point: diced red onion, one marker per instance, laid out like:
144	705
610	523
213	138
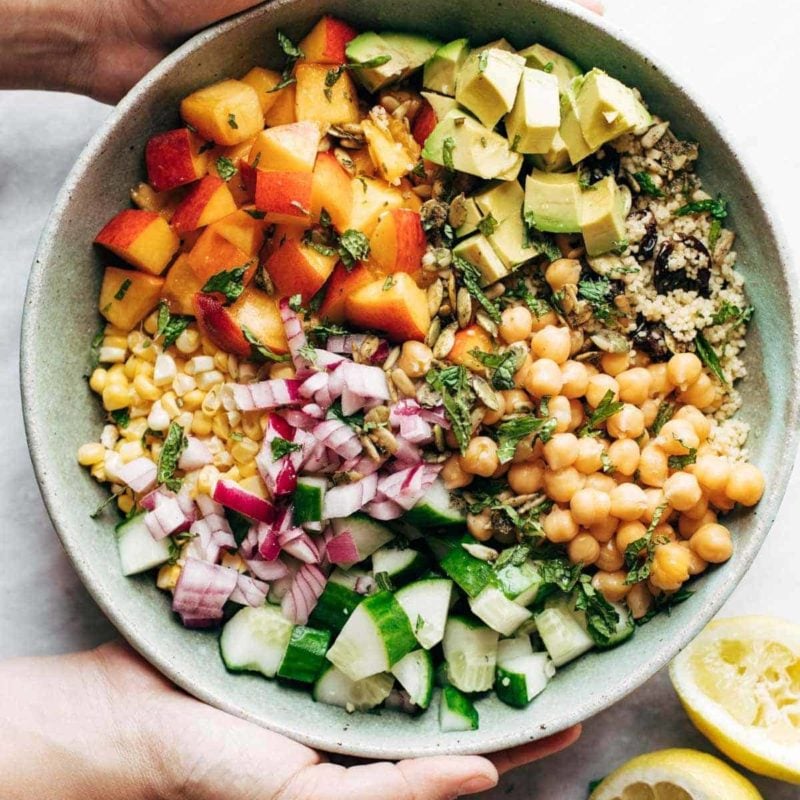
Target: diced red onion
385	509
280	475
326	360
249	591
416	430
208	506
296	542
342	501
339	437
314	383
265	395
298	603
139	474
358	384
342	549
267	541
201	592
267	570
195	455
166	518
406	453
296	338
231	495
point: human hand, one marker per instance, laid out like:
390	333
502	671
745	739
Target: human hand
105	724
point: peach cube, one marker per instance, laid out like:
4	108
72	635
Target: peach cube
264	81
325	105
327	40
296	268
142	238
286	148
394	305
284	197
227	112
174	158
127	296
208	201
181	285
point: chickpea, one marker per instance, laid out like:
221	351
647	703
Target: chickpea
653	466
745	484
678	437
682	491
516	324
655	500
628	533
480	525
528	450
492	417
683	369
628	502
664	532
639	600
521	375
590	455
713	543
611	585
576	341
712	473
634	385
614	363
577	415
453	476
583	549
559	526
702	393
415	359
721	501
687	526
670	568
480	457
561	484
698	510
700	422
561	451
627	423
553	343
599	386
561	272
610	558
574	378
526	478
516	401
697	565
543	378
502	470
548	318
561	411
624	455
650	411
601	481
660	385
590	507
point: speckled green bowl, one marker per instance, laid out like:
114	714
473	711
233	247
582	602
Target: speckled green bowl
61	413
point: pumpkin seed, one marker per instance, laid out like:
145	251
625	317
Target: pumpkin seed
457	215
438	438
463	307
485	393
482	318
391	359
433	332
403	383
427	396
435	297
476	417
444	257
611	341
452	290
444	344
523	499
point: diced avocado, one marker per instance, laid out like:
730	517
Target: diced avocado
369	46
416	49
502	200
510	242
487	84
607	109
554	201
540	57
556	159
533	123
571	131
462	143
473	217
443	66
441	104
498	44
602	218
478	250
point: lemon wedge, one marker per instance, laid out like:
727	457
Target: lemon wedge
739	682
675	775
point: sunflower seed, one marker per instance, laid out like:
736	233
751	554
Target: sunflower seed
403	383
385	439
377	416
463	307
487	324
345	162
457	215
444	344
389	103
451	290
369	448
481	551
423	190
438	438
391	359
485	393
435	297
654	135
433	332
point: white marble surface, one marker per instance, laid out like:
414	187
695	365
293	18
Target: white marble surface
740	54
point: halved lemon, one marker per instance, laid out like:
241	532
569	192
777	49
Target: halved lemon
675	775
739	682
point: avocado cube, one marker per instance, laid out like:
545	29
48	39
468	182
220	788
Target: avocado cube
534	121
473	217
441	104
461	142
510	242
442	68
498	44
602	217
554	201
413	47
478	251
537	56
502	200
607	109
555	159
487	84
571	131
368	46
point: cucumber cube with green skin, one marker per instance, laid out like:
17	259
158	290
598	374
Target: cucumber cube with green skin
436	509
255	640
497	611
367	47
462	143
537	56
472	216
308	498
478	250
533	122
334	607
304	658
414	672
602	217
487	84
440	104
138	550
470	574
443	66
571	131
375	637
457	712
470	650
554	200
520	583
334	688
509	649
400	565
556	159
519	680
562	629
427	604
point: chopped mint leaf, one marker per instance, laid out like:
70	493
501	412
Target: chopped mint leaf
94	348
681	462
513	431
281	447
226	169
384	582
707	354
728	312
665	412
353	247
261	351
170	326
638	568
296	302
502	365
452	383
647	185
232	121
538	239
561	573
121	417
228	282
601	617
549	66
471	277
606	409
255	214
448	146
174	445
664	603
488	225
123	289
388	283
598	294
290	50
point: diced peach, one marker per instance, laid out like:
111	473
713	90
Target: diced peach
331	190
362	162
398	242
473	337
325	105
341	285
227	112
371	198
127	296
181	285
282	111
142	238
284	197
174	158
263	81
236	155
296	268
258	312
286	148
327	40
424	123
242	230
391	145
213	253
208	201
217	324
394	305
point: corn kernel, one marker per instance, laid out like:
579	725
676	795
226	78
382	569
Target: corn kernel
251	425
221	361
244	451
113	463
151	323
220	426
147	352
155	449
125	503
128	451
170	404
183	384
158	419
145	388
232	367
165	370
139	410
109	436
198	364
234	418
116	371
248	470
255	485
136	429
207	480
212	401
111	355
115	342
209	348
91	453
116	397
193	400
233	474
223	459
184	419
98	472
130	367
144	368
168	576
97	382
188	341
247	372
113	330
201	424
135	339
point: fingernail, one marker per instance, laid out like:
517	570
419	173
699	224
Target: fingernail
479	783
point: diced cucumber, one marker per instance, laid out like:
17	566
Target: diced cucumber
470	650
308	499
624	629
335	605
304	658
401	565
497	611
348	577
138	550
521	679
427	604
457	712
519	582
255	640
336	689
436	509
509	649
375	637
368	534
562	633
415	674
440	675
470	573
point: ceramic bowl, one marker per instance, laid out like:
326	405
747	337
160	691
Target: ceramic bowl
61	413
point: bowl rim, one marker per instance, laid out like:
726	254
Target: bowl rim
38	443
